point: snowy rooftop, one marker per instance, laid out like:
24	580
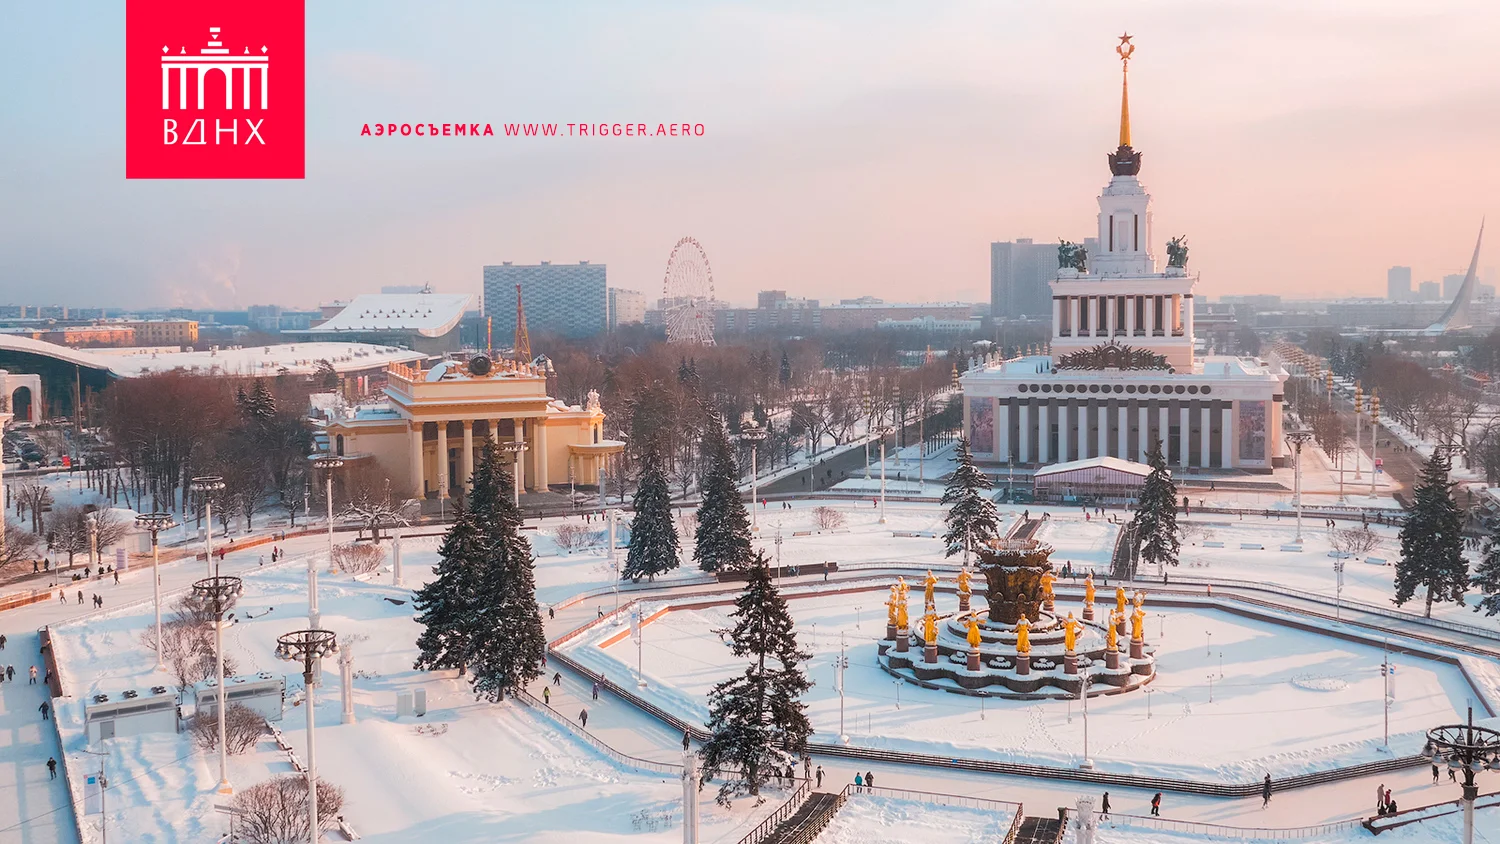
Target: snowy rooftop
1114	463
296	358
427	314
1212	366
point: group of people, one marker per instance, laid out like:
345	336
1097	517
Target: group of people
1385	804
97	600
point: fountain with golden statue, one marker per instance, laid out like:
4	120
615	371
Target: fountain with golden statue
1018	642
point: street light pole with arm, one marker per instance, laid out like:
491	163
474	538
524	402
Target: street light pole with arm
327	463
309	646
753	433
221	593
155	523
207	486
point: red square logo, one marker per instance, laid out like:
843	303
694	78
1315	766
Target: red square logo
214	89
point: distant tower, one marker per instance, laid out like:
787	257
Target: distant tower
523	343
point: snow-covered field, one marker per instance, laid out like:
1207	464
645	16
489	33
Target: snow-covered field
1287	701
1447	829
466	771
865	819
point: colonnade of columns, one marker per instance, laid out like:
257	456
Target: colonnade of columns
531	474
1121	316
1194	432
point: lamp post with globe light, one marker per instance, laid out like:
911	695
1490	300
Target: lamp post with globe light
752	433
1470	749
207	486
515	448
1297	439
155	523
220	593
882	432
327	463
309	646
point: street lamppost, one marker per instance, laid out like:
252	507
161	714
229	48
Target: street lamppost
1297	439
220	593
1374	432
882	432
778	555
93	523
752	432
327	463
155	523
207	486
1471	748
309	646
515	448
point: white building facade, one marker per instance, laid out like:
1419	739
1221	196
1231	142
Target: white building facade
1122	371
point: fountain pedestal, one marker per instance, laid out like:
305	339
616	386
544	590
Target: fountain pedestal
1023	664
1137	649
929	654
1111	659
963	602
1120	627
903	640
1088	612
1070	664
973	660
890	631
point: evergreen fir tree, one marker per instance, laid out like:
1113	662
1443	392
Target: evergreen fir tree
260	404
1432	542
480	612
1156	514
653	536
722	542
971	519
757	719
1487	576
785	376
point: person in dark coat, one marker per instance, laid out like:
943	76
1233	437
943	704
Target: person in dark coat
1156	804
583	717
869	778
43	709
1265	792
1104	808
52	767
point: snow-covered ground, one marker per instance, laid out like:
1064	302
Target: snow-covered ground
1322	695
866	819
466	771
1447	829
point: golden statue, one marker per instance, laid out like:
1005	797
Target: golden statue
930	628
1048	578
1070	633
963	581
974	637
902	588
1088	589
1023	636
901	618
1140	598
930	584
1120	600
1137	625
890	607
1112	639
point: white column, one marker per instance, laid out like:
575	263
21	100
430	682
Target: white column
541	455
415	436
1188	312
1124	433
1184	435
1023	455
1062	430
1108	303
1002	431
1057	315
1143	437
1103	417
1205	444
1226	439
466	460
1130	315
1163	415
1043	433
519	435
1073	312
442	459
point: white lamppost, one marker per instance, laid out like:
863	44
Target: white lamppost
155	523
839	666
308	646
1297	439
221	593
752	432
1083	693
515	448
882	433
614	558
327	463
207	486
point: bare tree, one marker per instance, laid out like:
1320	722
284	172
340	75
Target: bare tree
275	811
33	498
243	727
20	546
1356	542
187	642
574	537
828	518
357	558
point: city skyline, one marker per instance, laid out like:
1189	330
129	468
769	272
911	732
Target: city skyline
932	134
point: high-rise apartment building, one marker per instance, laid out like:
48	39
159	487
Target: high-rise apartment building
625	307
1398	284
1020	272
567	299
1451	284
1429	291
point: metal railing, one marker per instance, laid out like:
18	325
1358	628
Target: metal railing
624	759
1229	832
936	798
769	824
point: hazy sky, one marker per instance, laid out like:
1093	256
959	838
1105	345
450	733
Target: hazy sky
852	148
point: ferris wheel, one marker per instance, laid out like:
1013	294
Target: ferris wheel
688	294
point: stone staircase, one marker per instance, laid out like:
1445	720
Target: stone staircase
809	820
1035	830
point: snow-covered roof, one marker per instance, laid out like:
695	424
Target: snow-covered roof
1115	463
427	314
295	358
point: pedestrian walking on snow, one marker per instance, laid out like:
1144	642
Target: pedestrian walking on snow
859	781
1156	805
117	577
80	597
51	767
820	776
1104	806
33	676
547	695
1265	792
43	709
10	672
583	717
551	613
2	641
557	678
596	690
869	779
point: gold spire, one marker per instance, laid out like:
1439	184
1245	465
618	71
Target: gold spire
1125	49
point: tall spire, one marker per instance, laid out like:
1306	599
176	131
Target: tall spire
523	342
1125	49
1125	161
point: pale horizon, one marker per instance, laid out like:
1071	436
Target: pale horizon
871	149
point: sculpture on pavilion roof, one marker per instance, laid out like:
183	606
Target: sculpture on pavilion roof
1113	355
1177	252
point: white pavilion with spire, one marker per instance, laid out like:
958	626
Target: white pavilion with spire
1122	370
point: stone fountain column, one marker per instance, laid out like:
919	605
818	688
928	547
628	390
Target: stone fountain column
930	655
1023	664
1088	611
1070	663
963	602
973	659
1112	658
1137	649
890	631
903	640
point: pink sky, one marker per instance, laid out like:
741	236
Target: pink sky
851	148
